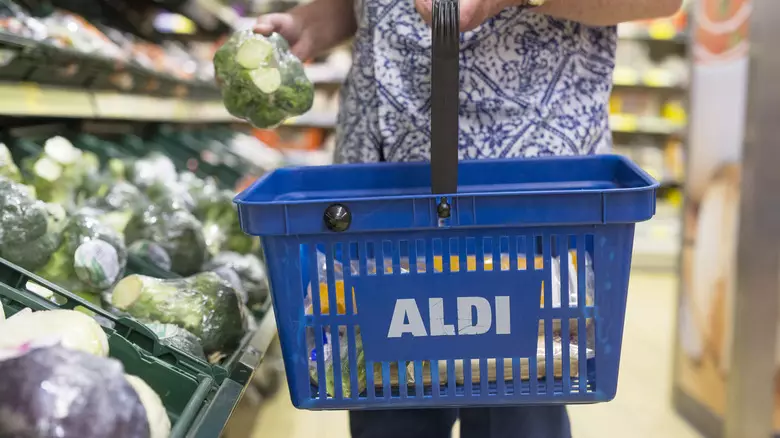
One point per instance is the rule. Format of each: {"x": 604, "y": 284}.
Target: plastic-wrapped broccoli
{"x": 151, "y": 169}
{"x": 114, "y": 205}
{"x": 221, "y": 227}
{"x": 204, "y": 304}
{"x": 8, "y": 168}
{"x": 59, "y": 172}
{"x": 33, "y": 254}
{"x": 251, "y": 274}
{"x": 178, "y": 232}
{"x": 261, "y": 81}
{"x": 91, "y": 257}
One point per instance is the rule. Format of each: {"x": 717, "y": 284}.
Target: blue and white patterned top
{"x": 530, "y": 85}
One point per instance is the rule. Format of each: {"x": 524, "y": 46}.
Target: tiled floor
{"x": 641, "y": 410}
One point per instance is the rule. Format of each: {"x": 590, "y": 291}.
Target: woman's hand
{"x": 312, "y": 28}
{"x": 290, "y": 26}
{"x": 472, "y": 12}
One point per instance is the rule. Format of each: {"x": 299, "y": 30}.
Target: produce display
{"x": 55, "y": 357}
{"x": 69, "y": 31}
{"x": 95, "y": 219}
{"x": 261, "y": 80}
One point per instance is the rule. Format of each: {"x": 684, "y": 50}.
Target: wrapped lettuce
{"x": 261, "y": 81}
{"x": 251, "y": 275}
{"x": 204, "y": 304}
{"x": 68, "y": 393}
{"x": 176, "y": 231}
{"x": 90, "y": 259}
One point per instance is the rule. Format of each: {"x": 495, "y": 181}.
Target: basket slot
{"x": 501, "y": 377}
{"x": 565, "y": 354}
{"x": 386, "y": 384}
{"x": 503, "y": 250}
{"x": 354, "y": 367}
{"x": 483, "y": 377}
{"x": 320, "y": 355}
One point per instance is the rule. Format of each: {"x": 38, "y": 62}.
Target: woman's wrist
{"x": 325, "y": 24}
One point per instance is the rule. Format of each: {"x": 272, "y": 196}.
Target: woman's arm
{"x": 313, "y": 28}
{"x": 608, "y": 12}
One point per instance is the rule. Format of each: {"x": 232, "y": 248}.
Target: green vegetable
{"x": 221, "y": 227}
{"x": 90, "y": 258}
{"x": 261, "y": 81}
{"x": 178, "y": 232}
{"x": 251, "y": 274}
{"x": 152, "y": 169}
{"x": 60, "y": 171}
{"x": 203, "y": 304}
{"x": 150, "y": 252}
{"x": 8, "y": 168}
{"x": 22, "y": 218}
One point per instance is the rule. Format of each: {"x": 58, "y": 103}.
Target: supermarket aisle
{"x": 641, "y": 410}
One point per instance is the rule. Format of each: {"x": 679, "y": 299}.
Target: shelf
{"x": 658, "y": 31}
{"x": 631, "y": 124}
{"x": 653, "y": 78}
{"x": 314, "y": 120}
{"x": 29, "y": 99}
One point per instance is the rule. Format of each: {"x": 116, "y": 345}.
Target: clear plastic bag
{"x": 261, "y": 81}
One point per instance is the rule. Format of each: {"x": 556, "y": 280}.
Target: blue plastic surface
{"x": 453, "y": 304}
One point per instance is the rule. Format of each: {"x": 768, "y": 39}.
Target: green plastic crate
{"x": 239, "y": 367}
{"x": 195, "y": 405}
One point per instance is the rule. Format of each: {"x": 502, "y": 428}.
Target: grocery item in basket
{"x": 471, "y": 265}
{"x": 70, "y": 393}
{"x": 70, "y": 328}
{"x": 174, "y": 336}
{"x": 90, "y": 259}
{"x": 343, "y": 351}
{"x": 8, "y": 168}
{"x": 261, "y": 81}
{"x": 203, "y": 304}
{"x": 177, "y": 231}
{"x": 251, "y": 273}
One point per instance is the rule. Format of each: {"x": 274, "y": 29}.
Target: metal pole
{"x": 750, "y": 390}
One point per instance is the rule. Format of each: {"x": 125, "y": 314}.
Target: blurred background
{"x": 125, "y": 82}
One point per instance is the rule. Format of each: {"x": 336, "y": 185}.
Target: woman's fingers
{"x": 284, "y": 24}
{"x": 472, "y": 12}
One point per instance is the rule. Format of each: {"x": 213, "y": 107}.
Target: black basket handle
{"x": 444, "y": 96}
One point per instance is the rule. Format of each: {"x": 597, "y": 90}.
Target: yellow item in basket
{"x": 341, "y": 302}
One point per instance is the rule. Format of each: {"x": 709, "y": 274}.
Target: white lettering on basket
{"x": 475, "y": 317}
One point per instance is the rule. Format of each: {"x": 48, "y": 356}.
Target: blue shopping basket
{"x": 480, "y": 283}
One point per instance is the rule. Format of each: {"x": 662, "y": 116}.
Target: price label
{"x": 662, "y": 30}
